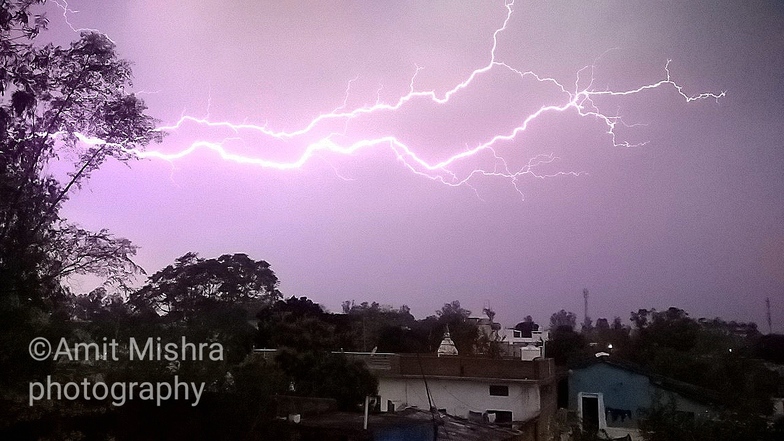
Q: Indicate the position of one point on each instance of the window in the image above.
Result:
(499, 416)
(499, 391)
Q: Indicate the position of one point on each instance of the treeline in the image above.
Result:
(234, 300)
(231, 300)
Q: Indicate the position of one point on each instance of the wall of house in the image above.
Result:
(459, 396)
(548, 403)
(623, 391)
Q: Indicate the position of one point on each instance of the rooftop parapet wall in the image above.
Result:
(395, 365)
(471, 367)
(385, 365)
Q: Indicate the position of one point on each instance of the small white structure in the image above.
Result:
(447, 346)
(530, 352)
(526, 347)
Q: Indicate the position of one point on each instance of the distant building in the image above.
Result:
(513, 342)
(610, 395)
(516, 392)
(526, 347)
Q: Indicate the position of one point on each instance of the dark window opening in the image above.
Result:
(563, 393)
(590, 414)
(499, 391)
(501, 416)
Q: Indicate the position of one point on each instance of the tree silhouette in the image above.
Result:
(194, 285)
(463, 332)
(527, 326)
(51, 100)
(563, 319)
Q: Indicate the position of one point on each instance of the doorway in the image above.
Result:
(590, 413)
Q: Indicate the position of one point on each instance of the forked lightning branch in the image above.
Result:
(464, 162)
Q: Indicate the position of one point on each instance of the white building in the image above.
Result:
(517, 393)
(513, 342)
(524, 346)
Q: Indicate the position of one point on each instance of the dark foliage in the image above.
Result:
(527, 326)
(195, 284)
(566, 346)
(664, 423)
(328, 375)
(464, 332)
(296, 323)
(563, 319)
(770, 347)
(51, 99)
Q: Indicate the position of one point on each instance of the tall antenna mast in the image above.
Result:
(767, 307)
(585, 295)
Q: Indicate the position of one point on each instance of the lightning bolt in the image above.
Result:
(63, 5)
(320, 137)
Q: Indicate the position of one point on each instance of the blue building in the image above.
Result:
(611, 395)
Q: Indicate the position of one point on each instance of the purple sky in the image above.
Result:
(693, 219)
